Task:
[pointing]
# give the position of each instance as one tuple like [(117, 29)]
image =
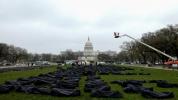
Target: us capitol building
[(89, 55)]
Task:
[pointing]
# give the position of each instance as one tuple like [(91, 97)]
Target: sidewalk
[(154, 67), (15, 66)]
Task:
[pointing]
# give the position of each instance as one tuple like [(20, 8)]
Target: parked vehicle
[(171, 63)]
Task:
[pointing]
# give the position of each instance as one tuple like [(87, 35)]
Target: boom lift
[(172, 60)]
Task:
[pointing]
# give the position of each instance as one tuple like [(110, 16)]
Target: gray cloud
[(53, 25)]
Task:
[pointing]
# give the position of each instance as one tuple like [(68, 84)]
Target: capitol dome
[(88, 49), (89, 55), (88, 45)]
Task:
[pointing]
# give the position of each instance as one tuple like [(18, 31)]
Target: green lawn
[(170, 76)]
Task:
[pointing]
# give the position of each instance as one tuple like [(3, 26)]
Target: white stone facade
[(89, 55)]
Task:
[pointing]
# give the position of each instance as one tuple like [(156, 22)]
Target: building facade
[(88, 53)]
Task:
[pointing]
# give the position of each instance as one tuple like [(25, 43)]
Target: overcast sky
[(51, 26)]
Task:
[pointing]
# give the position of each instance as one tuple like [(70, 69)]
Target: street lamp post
[(116, 35)]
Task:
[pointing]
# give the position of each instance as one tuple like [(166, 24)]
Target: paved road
[(6, 67), (155, 67)]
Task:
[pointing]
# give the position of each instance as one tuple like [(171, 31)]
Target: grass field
[(157, 74)]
